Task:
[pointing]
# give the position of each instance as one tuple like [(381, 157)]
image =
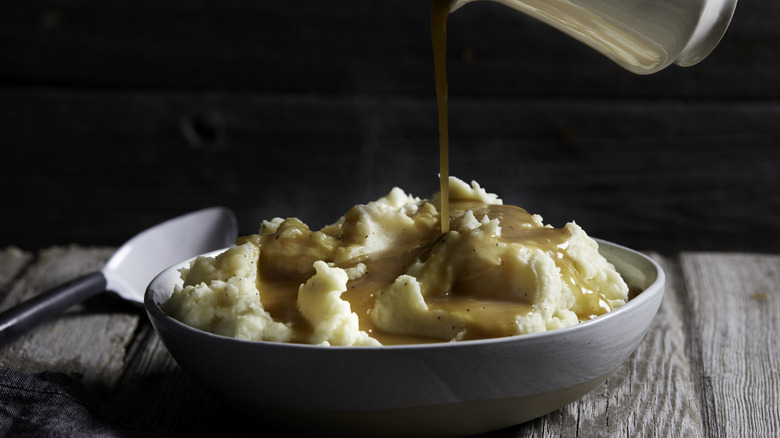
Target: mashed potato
[(384, 274)]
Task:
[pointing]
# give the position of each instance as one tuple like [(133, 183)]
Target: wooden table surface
[(709, 366)]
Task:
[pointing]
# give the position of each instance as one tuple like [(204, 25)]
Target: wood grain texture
[(662, 398), (735, 303), (88, 341), (12, 261), (623, 170)]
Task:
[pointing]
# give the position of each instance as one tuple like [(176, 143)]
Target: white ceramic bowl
[(448, 389)]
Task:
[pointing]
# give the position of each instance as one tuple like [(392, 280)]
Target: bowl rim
[(656, 287)]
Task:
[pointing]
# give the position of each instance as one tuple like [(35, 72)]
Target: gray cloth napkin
[(52, 404), (57, 405)]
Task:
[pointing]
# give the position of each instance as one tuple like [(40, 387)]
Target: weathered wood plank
[(55, 266), (12, 261), (88, 341), (665, 175), (659, 396), (735, 303)]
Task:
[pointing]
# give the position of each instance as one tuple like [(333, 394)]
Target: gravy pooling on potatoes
[(383, 273), (490, 313)]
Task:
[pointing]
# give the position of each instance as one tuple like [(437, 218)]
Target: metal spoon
[(131, 268)]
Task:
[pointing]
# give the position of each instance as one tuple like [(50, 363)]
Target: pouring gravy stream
[(439, 13)]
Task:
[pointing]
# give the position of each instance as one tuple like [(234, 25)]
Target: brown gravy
[(485, 317)]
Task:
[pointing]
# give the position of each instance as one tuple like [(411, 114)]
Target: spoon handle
[(32, 312)]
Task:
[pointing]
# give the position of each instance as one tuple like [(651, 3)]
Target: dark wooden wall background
[(115, 115)]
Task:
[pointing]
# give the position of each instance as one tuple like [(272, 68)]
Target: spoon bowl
[(131, 268)]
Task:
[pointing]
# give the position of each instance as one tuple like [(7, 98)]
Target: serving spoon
[(131, 268)]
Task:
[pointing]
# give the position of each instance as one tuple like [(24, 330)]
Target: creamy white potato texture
[(499, 271)]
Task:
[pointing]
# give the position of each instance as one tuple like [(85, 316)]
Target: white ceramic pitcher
[(643, 36)]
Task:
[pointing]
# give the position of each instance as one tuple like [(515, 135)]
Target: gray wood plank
[(87, 342), (735, 303), (13, 260), (54, 266), (659, 396), (665, 175)]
